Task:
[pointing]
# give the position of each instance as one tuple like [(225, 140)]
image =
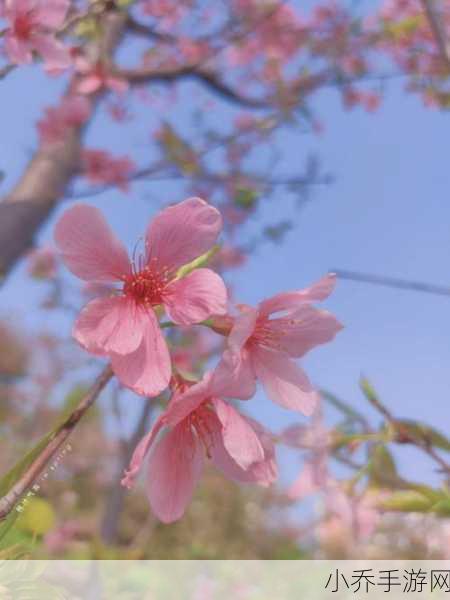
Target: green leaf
[(340, 441), (198, 263), (408, 501), (382, 469), (87, 28), (245, 197), (368, 390), (442, 508), (8, 480)]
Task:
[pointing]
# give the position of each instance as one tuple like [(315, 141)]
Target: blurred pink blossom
[(32, 28)]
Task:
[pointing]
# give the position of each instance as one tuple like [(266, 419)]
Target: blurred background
[(339, 188)]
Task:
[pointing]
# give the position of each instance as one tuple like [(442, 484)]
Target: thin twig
[(403, 435), (393, 282), (27, 479)]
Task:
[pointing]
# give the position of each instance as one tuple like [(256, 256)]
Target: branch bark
[(46, 177), (8, 501), (208, 78), (117, 493), (437, 30)]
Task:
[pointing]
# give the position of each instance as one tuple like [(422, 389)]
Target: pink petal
[(55, 55), (18, 52), (183, 404), (140, 453), (304, 485), (239, 439), (284, 382), (88, 84), (304, 329), (196, 297), (51, 13), (292, 300), (243, 327), (174, 469), (234, 376), (113, 324), (88, 247), (120, 86), (147, 370), (182, 232), (262, 473)]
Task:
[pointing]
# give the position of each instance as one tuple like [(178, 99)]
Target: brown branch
[(116, 497), (209, 79), (438, 32), (6, 70), (27, 479), (148, 32)]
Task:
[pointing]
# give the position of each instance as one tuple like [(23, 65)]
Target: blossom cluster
[(126, 326)]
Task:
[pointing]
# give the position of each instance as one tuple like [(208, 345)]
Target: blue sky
[(386, 213)]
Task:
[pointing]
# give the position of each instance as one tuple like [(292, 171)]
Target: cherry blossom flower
[(125, 326), (261, 347), (350, 518), (73, 111), (100, 167), (96, 77), (199, 425), (316, 439), (32, 27)]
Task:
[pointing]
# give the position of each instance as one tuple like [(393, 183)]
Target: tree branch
[(46, 177), (209, 79), (438, 33), (393, 282), (27, 479), (117, 493)]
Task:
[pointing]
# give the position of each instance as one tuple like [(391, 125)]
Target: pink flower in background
[(350, 518), (73, 111), (316, 440), (200, 425), (32, 27), (261, 347), (100, 167), (125, 326), (96, 77)]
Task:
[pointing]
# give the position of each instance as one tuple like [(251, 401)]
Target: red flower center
[(147, 286), (201, 421), (23, 25)]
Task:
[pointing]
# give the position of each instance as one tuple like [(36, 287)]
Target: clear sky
[(387, 213)]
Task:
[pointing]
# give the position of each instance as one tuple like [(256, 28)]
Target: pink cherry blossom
[(100, 167), (351, 518), (261, 347), (316, 440), (199, 425), (73, 111), (125, 326), (32, 27), (97, 77)]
